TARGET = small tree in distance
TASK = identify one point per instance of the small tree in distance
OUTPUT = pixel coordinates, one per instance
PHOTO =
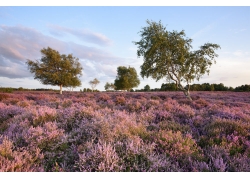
(94, 83)
(126, 78)
(168, 55)
(56, 69)
(147, 88)
(109, 86)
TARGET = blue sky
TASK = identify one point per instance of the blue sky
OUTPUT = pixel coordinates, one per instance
(101, 37)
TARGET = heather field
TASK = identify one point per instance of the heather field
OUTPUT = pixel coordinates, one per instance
(116, 131)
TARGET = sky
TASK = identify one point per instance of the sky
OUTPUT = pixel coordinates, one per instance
(102, 35)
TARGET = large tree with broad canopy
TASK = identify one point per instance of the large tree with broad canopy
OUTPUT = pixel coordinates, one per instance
(56, 69)
(169, 55)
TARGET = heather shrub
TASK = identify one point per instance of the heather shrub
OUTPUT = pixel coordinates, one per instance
(240, 163)
(23, 104)
(153, 132)
(125, 128)
(152, 103)
(155, 98)
(43, 114)
(134, 154)
(4, 96)
(224, 127)
(217, 158)
(133, 106)
(66, 103)
(200, 103)
(162, 116)
(103, 97)
(52, 142)
(120, 100)
(10, 111)
(19, 159)
(99, 157)
(174, 127)
(169, 104)
(84, 132)
(44, 137)
(183, 112)
(162, 163)
(71, 118)
(63, 158)
(175, 144)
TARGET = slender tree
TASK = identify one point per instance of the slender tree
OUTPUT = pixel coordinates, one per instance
(94, 83)
(56, 69)
(126, 78)
(109, 86)
(169, 55)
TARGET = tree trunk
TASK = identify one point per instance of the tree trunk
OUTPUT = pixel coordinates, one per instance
(185, 91)
(187, 94)
(60, 89)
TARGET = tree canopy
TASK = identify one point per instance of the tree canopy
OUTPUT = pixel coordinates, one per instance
(94, 83)
(109, 86)
(56, 69)
(126, 78)
(147, 88)
(169, 55)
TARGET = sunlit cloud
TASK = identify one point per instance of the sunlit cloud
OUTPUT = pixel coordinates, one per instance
(20, 43)
(84, 34)
(228, 70)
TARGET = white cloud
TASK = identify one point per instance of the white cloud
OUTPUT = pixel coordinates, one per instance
(84, 34)
(20, 43)
(230, 71)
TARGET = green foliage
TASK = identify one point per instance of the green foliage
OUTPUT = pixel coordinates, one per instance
(224, 127)
(109, 86)
(209, 87)
(56, 69)
(94, 83)
(126, 78)
(6, 90)
(168, 87)
(175, 144)
(168, 55)
(243, 88)
(147, 88)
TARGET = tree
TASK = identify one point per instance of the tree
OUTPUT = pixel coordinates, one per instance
(168, 87)
(56, 69)
(147, 88)
(94, 83)
(126, 78)
(168, 55)
(109, 86)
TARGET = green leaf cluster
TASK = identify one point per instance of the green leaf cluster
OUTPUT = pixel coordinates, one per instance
(56, 69)
(169, 55)
(109, 86)
(126, 78)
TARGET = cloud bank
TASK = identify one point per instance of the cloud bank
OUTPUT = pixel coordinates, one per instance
(19, 43)
(83, 34)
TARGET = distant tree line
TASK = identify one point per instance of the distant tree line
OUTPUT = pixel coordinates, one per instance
(164, 87)
(10, 89)
(245, 87)
(89, 90)
(197, 87)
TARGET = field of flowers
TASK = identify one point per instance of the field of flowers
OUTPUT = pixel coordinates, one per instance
(115, 131)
